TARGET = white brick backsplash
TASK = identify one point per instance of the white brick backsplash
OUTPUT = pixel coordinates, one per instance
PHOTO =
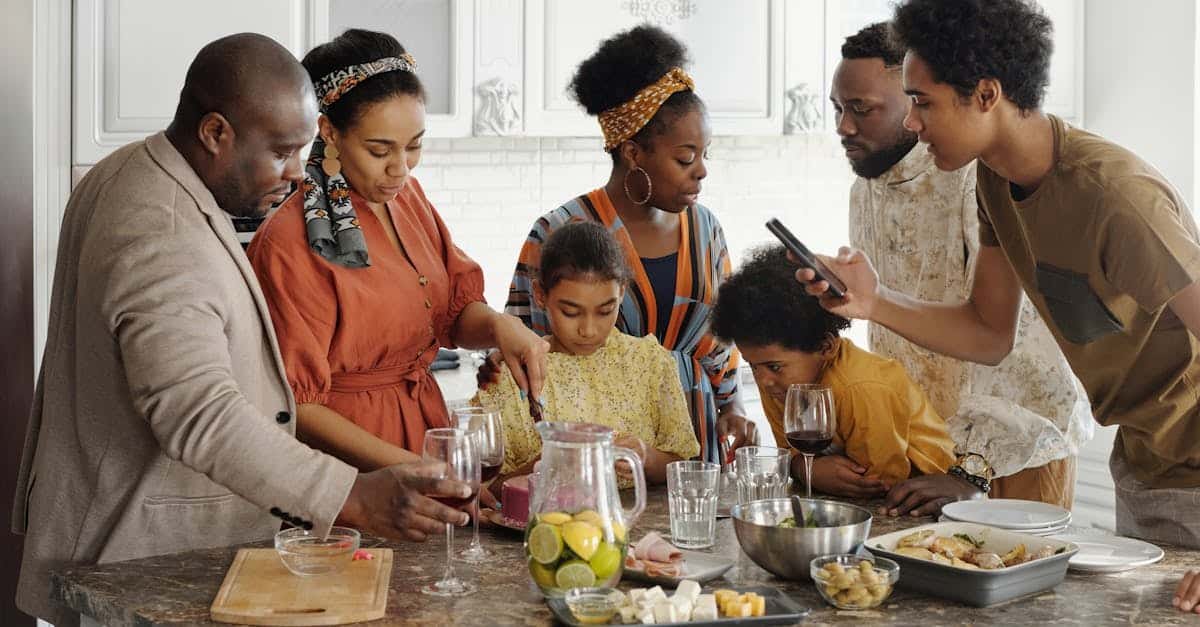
(489, 191)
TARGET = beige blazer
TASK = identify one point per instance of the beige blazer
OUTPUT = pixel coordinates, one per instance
(162, 419)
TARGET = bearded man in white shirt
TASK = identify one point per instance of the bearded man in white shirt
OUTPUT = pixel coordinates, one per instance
(1018, 426)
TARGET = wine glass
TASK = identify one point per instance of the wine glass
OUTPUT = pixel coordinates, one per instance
(485, 425)
(456, 449)
(809, 422)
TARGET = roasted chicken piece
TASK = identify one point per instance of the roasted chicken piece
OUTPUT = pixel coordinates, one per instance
(986, 560)
(915, 551)
(921, 538)
(952, 547)
(1045, 551)
(1015, 556)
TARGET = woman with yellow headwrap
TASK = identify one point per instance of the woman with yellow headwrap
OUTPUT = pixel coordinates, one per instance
(656, 129)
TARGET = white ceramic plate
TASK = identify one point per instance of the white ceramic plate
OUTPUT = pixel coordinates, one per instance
(1039, 531)
(700, 567)
(1012, 514)
(1109, 554)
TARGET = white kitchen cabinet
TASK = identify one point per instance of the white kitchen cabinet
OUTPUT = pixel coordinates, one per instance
(736, 48)
(131, 57)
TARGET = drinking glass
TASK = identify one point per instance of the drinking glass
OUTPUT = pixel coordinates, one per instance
(485, 425)
(692, 497)
(456, 449)
(762, 473)
(809, 421)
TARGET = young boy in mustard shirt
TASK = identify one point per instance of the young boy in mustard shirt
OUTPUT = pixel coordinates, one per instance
(886, 429)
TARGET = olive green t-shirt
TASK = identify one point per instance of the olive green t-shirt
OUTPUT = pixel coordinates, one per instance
(1100, 247)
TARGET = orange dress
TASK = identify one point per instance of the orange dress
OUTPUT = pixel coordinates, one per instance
(360, 340)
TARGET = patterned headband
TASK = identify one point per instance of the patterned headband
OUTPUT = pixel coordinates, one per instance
(335, 84)
(625, 120)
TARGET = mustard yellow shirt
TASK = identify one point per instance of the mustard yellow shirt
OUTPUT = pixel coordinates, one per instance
(629, 384)
(884, 420)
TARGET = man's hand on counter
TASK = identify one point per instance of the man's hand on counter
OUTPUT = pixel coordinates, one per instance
(394, 502)
(925, 495)
(840, 475)
(1187, 595)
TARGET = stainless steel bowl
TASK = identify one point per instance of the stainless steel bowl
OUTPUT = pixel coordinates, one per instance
(788, 552)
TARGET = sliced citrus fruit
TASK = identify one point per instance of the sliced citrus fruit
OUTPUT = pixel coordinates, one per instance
(575, 574)
(606, 561)
(582, 538)
(554, 518)
(618, 530)
(590, 515)
(545, 544)
(542, 575)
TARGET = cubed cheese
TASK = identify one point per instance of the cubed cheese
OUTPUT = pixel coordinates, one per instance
(636, 595)
(758, 605)
(664, 612)
(656, 594)
(645, 616)
(683, 607)
(724, 596)
(688, 589)
(628, 614)
(705, 608)
(737, 609)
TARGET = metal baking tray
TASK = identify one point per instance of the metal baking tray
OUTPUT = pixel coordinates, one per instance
(978, 587)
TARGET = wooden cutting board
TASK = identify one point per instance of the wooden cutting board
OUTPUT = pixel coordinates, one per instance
(259, 590)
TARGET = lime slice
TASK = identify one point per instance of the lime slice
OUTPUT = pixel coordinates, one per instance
(545, 544)
(542, 575)
(554, 518)
(575, 574)
(582, 538)
(606, 561)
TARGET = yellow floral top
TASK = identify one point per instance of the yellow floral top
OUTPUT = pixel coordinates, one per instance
(629, 384)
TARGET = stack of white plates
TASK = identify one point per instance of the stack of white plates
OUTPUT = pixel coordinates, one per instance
(1031, 517)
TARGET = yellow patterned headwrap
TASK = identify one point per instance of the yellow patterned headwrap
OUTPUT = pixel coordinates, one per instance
(625, 120)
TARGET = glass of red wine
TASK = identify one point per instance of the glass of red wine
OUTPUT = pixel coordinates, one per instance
(457, 449)
(485, 425)
(809, 422)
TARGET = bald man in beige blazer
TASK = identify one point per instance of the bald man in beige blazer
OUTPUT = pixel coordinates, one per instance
(162, 420)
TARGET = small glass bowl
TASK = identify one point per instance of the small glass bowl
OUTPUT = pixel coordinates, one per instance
(847, 590)
(305, 553)
(592, 606)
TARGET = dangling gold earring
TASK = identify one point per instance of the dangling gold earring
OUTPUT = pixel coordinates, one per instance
(330, 163)
(649, 185)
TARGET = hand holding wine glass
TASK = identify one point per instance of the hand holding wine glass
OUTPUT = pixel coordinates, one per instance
(809, 421)
(458, 451)
(485, 425)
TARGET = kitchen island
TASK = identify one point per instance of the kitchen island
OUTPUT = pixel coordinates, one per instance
(178, 589)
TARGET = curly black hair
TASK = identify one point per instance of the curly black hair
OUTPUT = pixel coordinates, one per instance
(582, 250)
(625, 64)
(353, 47)
(874, 42)
(763, 304)
(965, 41)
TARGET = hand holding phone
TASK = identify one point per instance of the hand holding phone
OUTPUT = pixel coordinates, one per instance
(807, 259)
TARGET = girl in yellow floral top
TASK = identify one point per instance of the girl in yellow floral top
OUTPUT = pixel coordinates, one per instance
(595, 373)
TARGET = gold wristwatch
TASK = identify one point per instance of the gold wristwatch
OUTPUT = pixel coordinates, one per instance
(975, 469)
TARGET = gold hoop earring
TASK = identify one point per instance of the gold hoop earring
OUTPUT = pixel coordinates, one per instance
(649, 186)
(330, 163)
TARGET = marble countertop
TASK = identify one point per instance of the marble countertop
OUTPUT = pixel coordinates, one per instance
(178, 589)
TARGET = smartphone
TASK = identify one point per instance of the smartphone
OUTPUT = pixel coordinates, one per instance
(807, 259)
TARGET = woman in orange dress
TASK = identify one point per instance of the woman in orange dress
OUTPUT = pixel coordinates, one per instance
(362, 277)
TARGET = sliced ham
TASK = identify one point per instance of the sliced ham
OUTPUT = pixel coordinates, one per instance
(653, 548)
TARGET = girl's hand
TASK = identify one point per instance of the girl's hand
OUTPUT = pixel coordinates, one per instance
(523, 351)
(639, 448)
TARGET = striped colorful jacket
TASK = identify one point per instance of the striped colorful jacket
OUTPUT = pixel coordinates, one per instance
(707, 367)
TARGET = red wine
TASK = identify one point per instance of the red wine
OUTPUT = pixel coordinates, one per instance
(455, 501)
(810, 442)
(489, 472)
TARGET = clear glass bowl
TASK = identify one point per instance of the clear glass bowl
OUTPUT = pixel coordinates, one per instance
(305, 553)
(845, 584)
(591, 606)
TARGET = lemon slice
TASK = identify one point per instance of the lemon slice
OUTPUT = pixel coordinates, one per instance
(575, 574)
(590, 515)
(606, 561)
(554, 518)
(542, 575)
(583, 538)
(545, 544)
(618, 530)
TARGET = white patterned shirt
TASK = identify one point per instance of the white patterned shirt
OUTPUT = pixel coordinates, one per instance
(920, 228)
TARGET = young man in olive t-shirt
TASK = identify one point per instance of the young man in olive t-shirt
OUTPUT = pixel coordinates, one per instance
(1094, 236)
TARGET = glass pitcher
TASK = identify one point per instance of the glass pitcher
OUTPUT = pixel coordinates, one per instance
(578, 530)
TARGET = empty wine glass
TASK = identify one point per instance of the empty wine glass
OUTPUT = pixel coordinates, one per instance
(485, 425)
(457, 450)
(809, 422)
